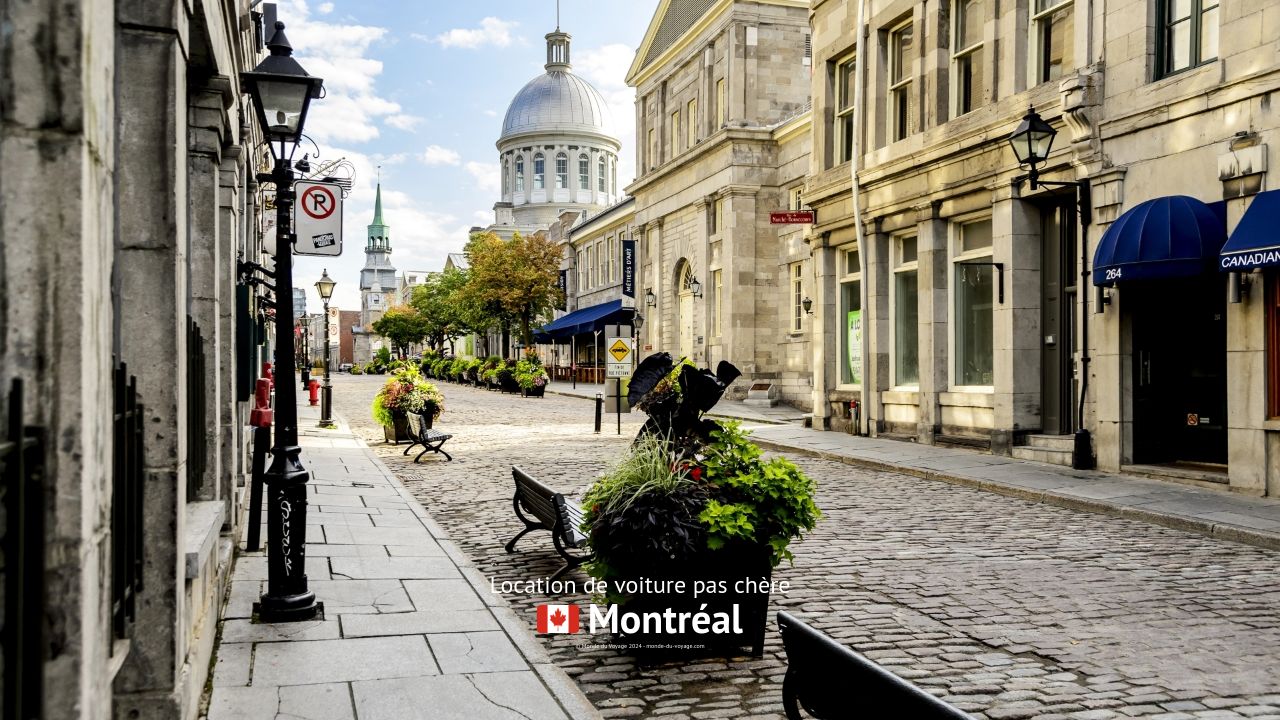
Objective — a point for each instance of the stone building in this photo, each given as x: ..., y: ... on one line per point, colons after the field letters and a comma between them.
x: 951, y: 294
x: 127, y: 149
x: 722, y: 97
x: 557, y: 150
x: 378, y: 284
x: 348, y: 321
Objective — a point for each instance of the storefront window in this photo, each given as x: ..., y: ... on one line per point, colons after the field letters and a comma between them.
x: 850, y: 320
x: 974, y: 303
x: 1273, y: 343
x: 906, y: 314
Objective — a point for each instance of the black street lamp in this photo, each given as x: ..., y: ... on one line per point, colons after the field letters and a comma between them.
x: 324, y: 286
x: 281, y: 92
x: 1031, y: 142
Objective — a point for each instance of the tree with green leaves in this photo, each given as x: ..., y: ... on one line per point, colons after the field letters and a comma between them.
x: 514, y: 281
x: 402, y: 326
x: 444, y: 306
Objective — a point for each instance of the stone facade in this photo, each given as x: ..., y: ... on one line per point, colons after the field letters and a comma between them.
x: 941, y: 216
x: 722, y: 101
x: 129, y: 198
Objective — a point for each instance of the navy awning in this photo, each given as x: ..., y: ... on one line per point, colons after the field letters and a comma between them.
x: 583, y: 320
x: 1255, y: 242
x: 1168, y: 237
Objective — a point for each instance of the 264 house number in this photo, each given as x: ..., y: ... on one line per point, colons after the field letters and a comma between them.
x: 1114, y: 273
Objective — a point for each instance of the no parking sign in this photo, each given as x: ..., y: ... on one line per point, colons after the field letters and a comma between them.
x: 317, y: 218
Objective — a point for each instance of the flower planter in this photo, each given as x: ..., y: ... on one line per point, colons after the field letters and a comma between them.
x: 535, y: 391
x: 507, y: 382
x: 399, y: 432
x: 730, y: 565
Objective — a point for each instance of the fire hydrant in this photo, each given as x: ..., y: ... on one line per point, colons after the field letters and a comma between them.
x: 314, y: 387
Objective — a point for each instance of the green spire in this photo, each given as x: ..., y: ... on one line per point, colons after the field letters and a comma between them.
x: 377, y: 207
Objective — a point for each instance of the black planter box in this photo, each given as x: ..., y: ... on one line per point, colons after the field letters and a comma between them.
x: 729, y: 566
x: 399, y: 432
x: 535, y: 391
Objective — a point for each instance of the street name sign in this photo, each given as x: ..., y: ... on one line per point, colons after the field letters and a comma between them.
x: 317, y: 218
x: 800, y: 217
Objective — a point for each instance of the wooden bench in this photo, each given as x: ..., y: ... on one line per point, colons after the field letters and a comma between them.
x: 830, y: 680
x: 541, y: 508
x: 420, y: 433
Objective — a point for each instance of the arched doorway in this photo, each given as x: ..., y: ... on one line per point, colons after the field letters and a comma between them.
x: 684, y: 309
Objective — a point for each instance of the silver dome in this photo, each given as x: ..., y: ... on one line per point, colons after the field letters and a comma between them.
x: 558, y: 102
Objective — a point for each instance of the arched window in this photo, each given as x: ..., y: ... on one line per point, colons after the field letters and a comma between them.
x: 584, y: 167
x: 613, y: 176
x: 562, y: 171
x: 601, y: 173
x: 539, y: 172
x: 520, y: 173
x: 506, y: 177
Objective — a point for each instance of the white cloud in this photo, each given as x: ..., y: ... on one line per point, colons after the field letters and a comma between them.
x: 492, y: 31
x: 491, y: 113
x: 436, y: 155
x: 487, y: 176
x: 606, y: 69
x: 404, y: 122
x: 325, y: 8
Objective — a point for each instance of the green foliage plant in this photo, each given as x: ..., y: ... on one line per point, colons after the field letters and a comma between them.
x: 530, y: 374
x: 406, y: 391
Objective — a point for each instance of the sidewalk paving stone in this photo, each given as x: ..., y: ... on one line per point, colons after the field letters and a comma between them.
x: 485, y: 696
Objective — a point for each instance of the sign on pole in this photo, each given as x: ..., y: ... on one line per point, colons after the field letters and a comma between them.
x: 317, y: 218
x: 618, y: 364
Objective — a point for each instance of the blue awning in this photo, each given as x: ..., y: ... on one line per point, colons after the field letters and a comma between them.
x: 1255, y: 242
x: 1168, y: 237
x: 583, y: 320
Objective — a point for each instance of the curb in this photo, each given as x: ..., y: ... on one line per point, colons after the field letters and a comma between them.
x: 1220, y: 531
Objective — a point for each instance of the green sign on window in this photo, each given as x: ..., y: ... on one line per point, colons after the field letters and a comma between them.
x: 853, y: 346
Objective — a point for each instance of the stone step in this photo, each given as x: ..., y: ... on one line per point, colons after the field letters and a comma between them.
x: 1043, y: 454
x: 1052, y: 442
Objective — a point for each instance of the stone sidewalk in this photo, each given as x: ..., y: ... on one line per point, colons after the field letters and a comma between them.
x: 1255, y: 521
x: 411, y: 629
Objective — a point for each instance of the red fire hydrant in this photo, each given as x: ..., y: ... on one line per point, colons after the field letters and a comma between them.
x: 261, y: 413
x: 314, y: 389
x: 266, y: 373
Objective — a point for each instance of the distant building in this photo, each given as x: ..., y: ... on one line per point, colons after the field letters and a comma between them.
x: 378, y: 284
x: 348, y: 321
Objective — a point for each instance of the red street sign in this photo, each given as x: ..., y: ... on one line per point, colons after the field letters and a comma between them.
x: 801, y: 217
x: 318, y: 202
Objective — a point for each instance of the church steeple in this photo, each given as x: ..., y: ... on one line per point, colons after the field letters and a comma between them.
x: 379, y: 234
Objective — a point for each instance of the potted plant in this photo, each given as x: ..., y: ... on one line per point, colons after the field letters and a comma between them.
x: 694, y: 505
x: 403, y: 393
x: 531, y: 376
x: 507, y: 377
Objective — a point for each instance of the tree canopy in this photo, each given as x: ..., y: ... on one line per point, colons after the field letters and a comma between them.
x: 514, y: 280
x: 402, y: 326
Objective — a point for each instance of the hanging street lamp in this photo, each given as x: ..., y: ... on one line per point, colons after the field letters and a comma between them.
x: 324, y: 286
x: 281, y: 92
x: 1031, y: 142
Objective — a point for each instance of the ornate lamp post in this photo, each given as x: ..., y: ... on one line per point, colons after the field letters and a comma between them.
x: 282, y: 92
x: 1031, y: 142
x: 324, y: 286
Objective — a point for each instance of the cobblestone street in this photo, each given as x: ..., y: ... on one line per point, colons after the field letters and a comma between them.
x: 1005, y: 608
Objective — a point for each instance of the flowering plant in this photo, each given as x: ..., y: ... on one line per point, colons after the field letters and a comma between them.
x: 530, y: 374
x: 406, y: 392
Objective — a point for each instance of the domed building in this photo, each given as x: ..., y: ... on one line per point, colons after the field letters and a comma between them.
x: 558, y: 150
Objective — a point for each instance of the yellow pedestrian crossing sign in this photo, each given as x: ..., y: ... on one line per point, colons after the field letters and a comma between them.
x: 620, y: 349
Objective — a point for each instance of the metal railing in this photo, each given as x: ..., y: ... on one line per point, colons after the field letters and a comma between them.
x: 197, y: 442
x: 126, y: 503
x: 22, y: 467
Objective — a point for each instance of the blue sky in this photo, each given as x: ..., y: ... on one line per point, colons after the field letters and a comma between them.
x: 420, y: 88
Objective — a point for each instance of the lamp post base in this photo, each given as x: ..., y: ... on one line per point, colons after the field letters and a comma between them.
x: 1082, y: 453
x: 294, y: 608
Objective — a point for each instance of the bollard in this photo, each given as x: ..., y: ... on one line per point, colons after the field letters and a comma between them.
x: 306, y: 377
x: 855, y: 417
x: 599, y: 410
x: 261, y: 444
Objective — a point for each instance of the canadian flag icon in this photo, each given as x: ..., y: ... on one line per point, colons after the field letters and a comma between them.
x: 557, y: 618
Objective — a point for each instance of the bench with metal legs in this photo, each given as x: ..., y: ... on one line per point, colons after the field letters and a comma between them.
x: 550, y: 511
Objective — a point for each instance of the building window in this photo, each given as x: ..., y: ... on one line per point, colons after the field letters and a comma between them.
x: 539, y: 172
x: 506, y: 178
x: 721, y: 99
x: 974, y: 305
x: 1054, y: 38
x: 966, y: 59
x: 613, y: 176
x: 1188, y: 34
x: 797, y: 296
x: 850, y: 319
x: 600, y: 173
x: 715, y: 216
x: 845, y: 81
x: 520, y: 174
x: 691, y: 118
x: 675, y: 133
x: 793, y: 198
x: 584, y: 172
x: 717, y: 303
x: 653, y: 149
x: 906, y: 314
x: 901, y: 107
x: 562, y: 171
x: 589, y: 279
x: 602, y: 264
